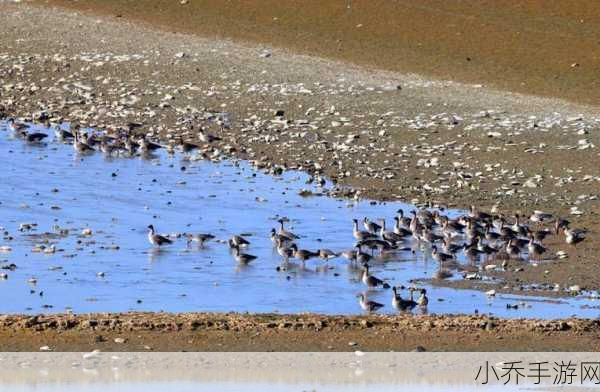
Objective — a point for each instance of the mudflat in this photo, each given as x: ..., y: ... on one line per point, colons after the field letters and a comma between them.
x: 529, y: 46
x: 306, y: 332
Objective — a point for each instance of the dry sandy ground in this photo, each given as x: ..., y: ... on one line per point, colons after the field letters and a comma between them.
x: 528, y: 46
x: 235, y: 332
x: 429, y: 141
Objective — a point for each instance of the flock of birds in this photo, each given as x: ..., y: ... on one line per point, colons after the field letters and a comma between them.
x: 119, y: 142
x: 476, y: 234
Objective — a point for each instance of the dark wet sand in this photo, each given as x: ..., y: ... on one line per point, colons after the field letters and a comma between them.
x: 528, y: 46
x: 237, y: 332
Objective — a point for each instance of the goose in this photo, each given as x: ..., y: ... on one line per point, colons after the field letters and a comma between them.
x: 471, y: 251
x: 147, y: 146
x: 79, y: 146
x: 157, y: 239
x: 108, y: 149
x: 426, y: 218
x: 15, y: 126
x: 200, y: 238
x: 62, y: 135
x: 358, y: 234
x: 449, y: 247
x: 402, y: 220
x: 302, y: 254
x: 284, y: 232
x: 238, y: 241
x: 535, y: 250
x: 283, y: 250
x: 506, y: 233
x: 279, y: 237
x: 362, y: 257
x: 399, y: 303
x: 520, y: 242
x: 207, y: 137
x: 518, y: 228
x: 415, y: 226
x: 448, y: 231
x: 484, y: 248
x: 131, y: 146
x: 369, y: 306
x: 512, y: 250
x: 429, y: 236
x: 91, y: 139
x: 376, y: 243
x: 372, y: 281
x: 399, y: 230
x: 187, y: 147
x: 539, y: 235
x: 371, y: 227
x: 540, y: 216
x: 473, y: 230
x: 390, y: 236
x: 452, y: 225
x: 242, y: 258
x: 491, y: 235
x: 327, y: 254
x: 560, y: 224
x: 498, y: 222
x: 479, y: 215
x: 440, y: 257
x: 423, y: 301
x: 350, y: 255
x: 34, y: 137
x: 573, y: 236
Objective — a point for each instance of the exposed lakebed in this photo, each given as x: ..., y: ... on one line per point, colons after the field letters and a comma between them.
x: 116, y: 269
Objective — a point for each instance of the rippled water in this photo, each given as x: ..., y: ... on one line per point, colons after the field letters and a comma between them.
x: 118, y: 198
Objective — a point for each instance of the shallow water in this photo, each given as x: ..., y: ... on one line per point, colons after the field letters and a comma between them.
x: 117, y: 198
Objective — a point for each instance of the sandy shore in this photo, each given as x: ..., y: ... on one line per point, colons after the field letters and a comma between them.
x: 237, y: 332
x: 387, y: 135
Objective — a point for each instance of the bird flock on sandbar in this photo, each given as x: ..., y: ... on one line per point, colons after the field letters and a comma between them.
x: 476, y: 234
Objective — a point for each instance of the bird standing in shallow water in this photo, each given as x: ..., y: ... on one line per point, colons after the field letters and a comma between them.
x: 15, y: 126
x: 200, y: 238
x: 238, y: 240
x: 399, y: 303
x: 242, y: 258
x: 286, y: 233
x: 157, y: 239
x: 372, y: 281
x: 369, y: 306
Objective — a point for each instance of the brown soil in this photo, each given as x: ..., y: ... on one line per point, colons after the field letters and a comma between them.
x: 528, y: 46
x: 235, y: 332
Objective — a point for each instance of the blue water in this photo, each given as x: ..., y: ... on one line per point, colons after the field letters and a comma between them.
x: 222, y: 198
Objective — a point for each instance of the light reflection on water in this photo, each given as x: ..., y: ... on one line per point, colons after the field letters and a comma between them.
x: 220, y: 198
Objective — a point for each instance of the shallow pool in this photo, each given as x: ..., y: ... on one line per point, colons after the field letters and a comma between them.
x: 117, y: 198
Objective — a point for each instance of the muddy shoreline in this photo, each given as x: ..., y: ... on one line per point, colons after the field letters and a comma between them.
x: 306, y: 332
x: 388, y: 136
